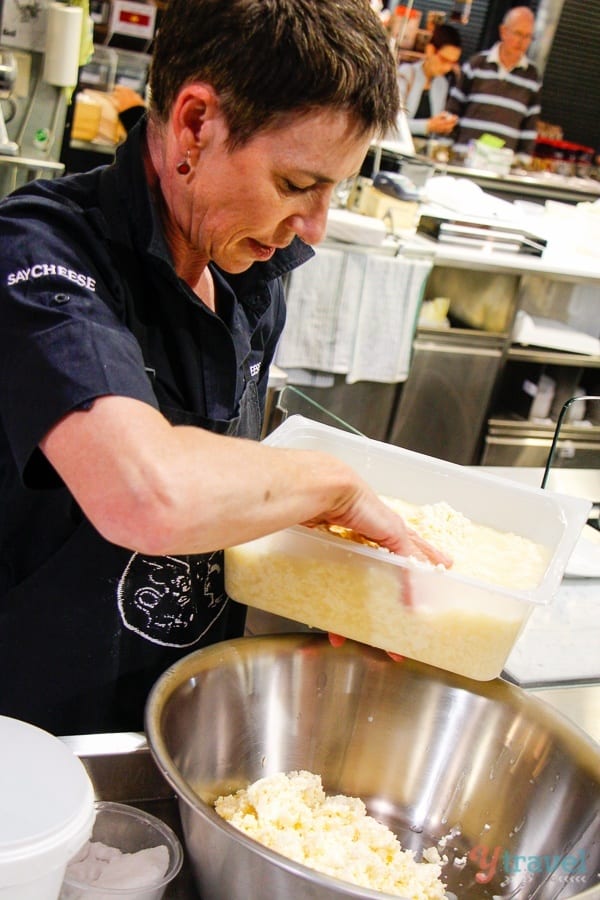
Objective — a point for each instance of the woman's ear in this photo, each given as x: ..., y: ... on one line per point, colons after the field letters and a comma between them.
x: 195, y: 109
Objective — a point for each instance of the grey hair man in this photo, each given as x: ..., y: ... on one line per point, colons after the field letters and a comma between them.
x: 498, y: 91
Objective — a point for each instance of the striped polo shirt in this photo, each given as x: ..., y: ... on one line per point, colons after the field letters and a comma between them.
x: 489, y: 98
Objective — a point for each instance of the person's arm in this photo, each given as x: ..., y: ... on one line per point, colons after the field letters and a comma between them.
x: 526, y: 144
x: 440, y: 122
x: 411, y: 96
x: 407, y: 74
x: 164, y: 490
x: 458, y: 96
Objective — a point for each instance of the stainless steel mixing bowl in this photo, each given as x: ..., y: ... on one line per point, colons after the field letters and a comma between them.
x: 510, y: 786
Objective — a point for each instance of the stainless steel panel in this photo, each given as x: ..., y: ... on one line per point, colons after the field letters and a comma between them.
x: 445, y: 399
x: 533, y: 451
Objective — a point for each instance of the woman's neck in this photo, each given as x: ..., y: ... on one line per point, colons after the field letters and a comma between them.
x: 189, y: 264
x: 428, y: 72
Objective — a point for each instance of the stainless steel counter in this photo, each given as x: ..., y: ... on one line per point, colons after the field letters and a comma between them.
x: 579, y: 703
x: 538, y: 185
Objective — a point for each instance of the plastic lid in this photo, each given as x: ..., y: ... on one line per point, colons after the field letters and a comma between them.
x: 46, y: 802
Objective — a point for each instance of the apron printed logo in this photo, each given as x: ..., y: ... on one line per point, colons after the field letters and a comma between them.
x: 172, y: 601
x: 42, y: 270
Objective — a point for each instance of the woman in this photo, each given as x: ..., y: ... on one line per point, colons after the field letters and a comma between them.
x: 424, y: 84
x: 141, y: 305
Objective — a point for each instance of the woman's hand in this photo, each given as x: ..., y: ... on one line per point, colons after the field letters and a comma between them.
x: 381, y: 525
x: 367, y: 516
x: 336, y: 640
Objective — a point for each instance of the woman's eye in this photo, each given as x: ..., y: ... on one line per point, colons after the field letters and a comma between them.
x: 293, y: 188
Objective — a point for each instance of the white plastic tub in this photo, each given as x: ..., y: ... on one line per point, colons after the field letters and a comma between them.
x: 457, y: 623
x: 46, y: 811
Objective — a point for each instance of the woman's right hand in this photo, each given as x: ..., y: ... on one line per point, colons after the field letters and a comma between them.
x: 364, y: 513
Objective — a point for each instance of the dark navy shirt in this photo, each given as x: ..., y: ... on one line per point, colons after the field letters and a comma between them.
x: 91, y: 305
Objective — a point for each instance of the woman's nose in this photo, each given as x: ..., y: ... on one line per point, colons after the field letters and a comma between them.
x: 310, y: 223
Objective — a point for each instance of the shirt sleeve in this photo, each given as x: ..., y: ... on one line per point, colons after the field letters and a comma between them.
x: 459, y: 93
x: 406, y: 81
x: 529, y: 124
x: 62, y: 342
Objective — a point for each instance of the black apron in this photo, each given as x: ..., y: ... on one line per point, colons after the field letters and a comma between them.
x: 83, y: 639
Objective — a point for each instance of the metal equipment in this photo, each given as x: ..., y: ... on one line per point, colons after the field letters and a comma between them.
x: 8, y: 77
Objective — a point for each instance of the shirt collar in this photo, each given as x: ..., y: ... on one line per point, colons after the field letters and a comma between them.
x: 493, y: 55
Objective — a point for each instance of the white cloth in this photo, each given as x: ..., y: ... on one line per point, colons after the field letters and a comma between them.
x: 388, y: 313
x: 352, y: 313
x: 98, y: 866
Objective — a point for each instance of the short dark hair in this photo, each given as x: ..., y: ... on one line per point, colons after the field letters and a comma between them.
x: 445, y: 36
x: 266, y: 58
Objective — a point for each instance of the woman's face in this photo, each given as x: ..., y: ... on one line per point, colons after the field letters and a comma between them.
x: 246, y: 203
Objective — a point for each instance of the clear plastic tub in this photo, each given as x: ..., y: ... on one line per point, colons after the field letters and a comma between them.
x: 454, y: 622
x: 131, y: 831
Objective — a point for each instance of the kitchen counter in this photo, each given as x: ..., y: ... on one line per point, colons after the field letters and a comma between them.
x: 538, y: 185
x: 579, y: 703
x: 560, y: 267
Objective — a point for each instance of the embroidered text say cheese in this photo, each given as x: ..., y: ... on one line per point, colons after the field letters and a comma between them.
x: 41, y: 270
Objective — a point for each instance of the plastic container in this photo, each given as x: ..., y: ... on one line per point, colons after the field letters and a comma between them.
x: 46, y: 811
x: 454, y: 622
x: 405, y: 26
x: 100, y: 72
x: 490, y: 159
x: 129, y: 830
x: 562, y: 157
x: 543, y: 396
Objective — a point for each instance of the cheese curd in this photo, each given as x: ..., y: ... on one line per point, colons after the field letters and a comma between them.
x: 477, y: 551
x: 291, y: 814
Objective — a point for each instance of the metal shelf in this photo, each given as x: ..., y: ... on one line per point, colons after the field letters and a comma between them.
x: 33, y: 163
x: 500, y: 424
x: 555, y: 357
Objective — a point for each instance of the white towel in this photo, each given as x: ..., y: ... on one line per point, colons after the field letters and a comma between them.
x: 352, y: 313
x: 310, y: 336
x: 310, y: 378
x: 390, y: 300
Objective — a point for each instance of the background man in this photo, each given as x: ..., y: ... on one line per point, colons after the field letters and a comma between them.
x: 498, y: 91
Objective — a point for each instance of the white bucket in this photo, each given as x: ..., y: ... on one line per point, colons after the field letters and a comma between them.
x: 46, y: 811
